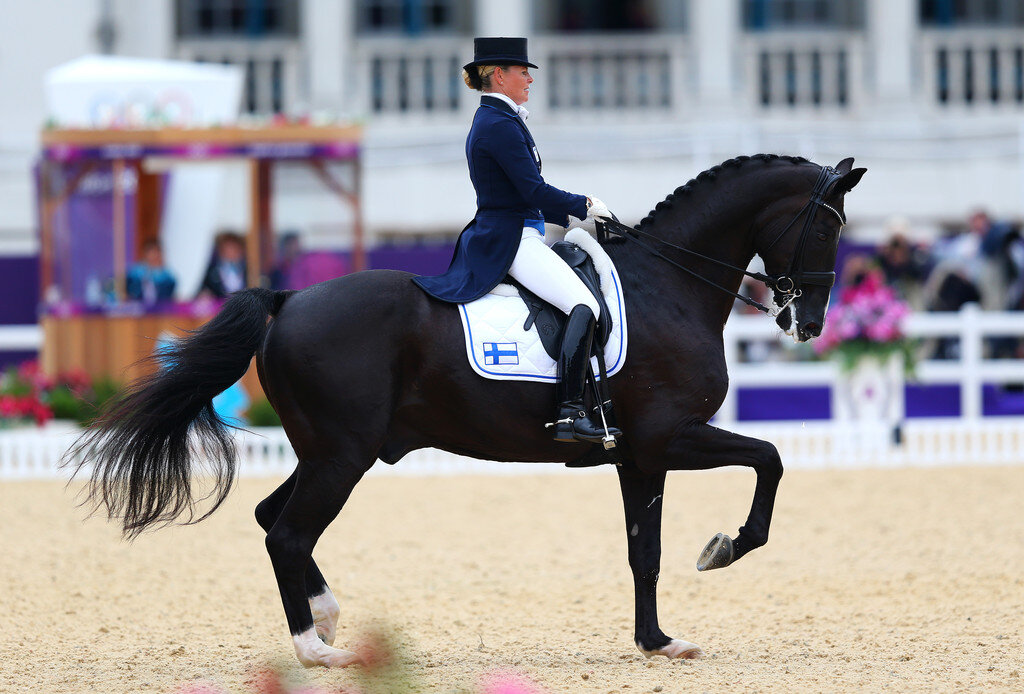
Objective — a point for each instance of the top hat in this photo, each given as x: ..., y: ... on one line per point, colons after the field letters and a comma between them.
x: 499, y: 51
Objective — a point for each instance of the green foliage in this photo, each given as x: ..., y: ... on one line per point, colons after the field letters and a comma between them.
x: 262, y: 414
x: 83, y: 407
x: 852, y: 352
x: 13, y: 383
x: 65, y: 404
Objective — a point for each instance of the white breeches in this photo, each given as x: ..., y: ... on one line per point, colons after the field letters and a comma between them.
x: 537, y: 268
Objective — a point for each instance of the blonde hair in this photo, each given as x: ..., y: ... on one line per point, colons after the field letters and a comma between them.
x: 479, y: 77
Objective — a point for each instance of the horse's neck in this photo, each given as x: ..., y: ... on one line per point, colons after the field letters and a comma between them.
x: 716, y: 222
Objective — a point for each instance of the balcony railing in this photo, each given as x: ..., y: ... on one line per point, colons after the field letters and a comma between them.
x: 981, y: 68
x: 786, y: 71
x: 273, y: 69
x: 419, y: 78
x: 637, y: 76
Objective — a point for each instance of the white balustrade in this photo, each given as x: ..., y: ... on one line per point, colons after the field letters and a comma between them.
x: 818, y: 71
x: 642, y: 76
x: 418, y: 79
x: 979, y: 68
x: 274, y: 70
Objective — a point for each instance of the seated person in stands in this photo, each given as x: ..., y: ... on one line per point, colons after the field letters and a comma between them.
x: 148, y: 280
x: 227, y: 271
x: 288, y: 254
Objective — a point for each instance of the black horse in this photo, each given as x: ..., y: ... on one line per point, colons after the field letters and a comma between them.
x: 367, y: 367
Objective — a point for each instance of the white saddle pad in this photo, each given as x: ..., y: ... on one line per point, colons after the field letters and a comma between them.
x: 497, y: 345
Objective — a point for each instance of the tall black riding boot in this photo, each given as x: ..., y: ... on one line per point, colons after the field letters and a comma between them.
x: 572, y: 422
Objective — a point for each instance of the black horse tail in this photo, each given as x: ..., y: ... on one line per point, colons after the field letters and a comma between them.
x: 143, y: 447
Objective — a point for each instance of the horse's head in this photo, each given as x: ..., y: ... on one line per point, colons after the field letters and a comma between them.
x: 798, y: 240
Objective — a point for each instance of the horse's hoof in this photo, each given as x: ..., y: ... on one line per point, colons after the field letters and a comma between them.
x: 683, y: 650
x: 717, y: 554
x: 313, y: 652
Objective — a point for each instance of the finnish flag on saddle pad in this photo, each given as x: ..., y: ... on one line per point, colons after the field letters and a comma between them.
x: 500, y: 353
x: 500, y: 347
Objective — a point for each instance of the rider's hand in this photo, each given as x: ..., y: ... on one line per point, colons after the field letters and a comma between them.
x: 596, y: 208
x: 596, y: 211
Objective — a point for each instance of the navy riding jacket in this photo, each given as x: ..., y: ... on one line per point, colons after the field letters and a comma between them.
x: 504, y: 166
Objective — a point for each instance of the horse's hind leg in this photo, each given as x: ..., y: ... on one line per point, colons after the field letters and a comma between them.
x: 320, y: 489
x: 322, y: 602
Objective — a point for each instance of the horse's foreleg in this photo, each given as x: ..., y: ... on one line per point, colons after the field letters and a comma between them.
x: 322, y: 602
x: 642, y: 496
x: 320, y: 489
x: 703, y: 447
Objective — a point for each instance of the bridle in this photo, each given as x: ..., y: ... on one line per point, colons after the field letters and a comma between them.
x: 788, y: 285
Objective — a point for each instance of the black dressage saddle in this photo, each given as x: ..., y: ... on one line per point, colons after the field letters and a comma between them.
x: 549, y: 320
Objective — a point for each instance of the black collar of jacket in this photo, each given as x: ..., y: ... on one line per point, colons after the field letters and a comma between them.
x: 497, y: 103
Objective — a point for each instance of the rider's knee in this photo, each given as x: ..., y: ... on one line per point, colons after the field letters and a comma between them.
x: 591, y: 303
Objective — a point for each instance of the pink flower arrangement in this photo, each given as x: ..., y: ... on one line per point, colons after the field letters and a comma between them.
x: 24, y: 407
x: 866, y: 321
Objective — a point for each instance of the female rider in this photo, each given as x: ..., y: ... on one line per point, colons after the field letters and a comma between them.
x: 506, y: 237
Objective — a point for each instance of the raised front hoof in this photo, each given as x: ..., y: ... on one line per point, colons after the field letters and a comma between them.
x: 717, y: 554
x: 675, y: 649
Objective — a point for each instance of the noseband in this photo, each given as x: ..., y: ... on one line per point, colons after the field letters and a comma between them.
x: 789, y: 284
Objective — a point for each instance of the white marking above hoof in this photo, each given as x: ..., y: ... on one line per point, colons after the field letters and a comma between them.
x: 676, y: 649
x: 325, y: 611
x: 311, y: 651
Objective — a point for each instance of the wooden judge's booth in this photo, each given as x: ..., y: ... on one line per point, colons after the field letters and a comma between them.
x: 87, y: 321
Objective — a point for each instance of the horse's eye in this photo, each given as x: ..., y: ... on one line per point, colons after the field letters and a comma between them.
x: 822, y: 236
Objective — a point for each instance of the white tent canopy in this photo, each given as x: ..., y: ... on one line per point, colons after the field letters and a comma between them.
x: 106, y: 91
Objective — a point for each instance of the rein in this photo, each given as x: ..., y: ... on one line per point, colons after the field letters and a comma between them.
x: 788, y: 284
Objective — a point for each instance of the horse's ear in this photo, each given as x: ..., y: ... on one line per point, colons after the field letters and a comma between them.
x: 849, y: 180
x: 845, y: 165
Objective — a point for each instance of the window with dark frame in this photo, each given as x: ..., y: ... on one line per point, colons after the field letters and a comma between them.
x: 237, y: 18
x: 413, y: 17
x: 767, y: 15
x: 951, y: 13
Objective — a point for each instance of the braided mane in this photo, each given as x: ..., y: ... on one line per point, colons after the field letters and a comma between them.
x: 710, y: 175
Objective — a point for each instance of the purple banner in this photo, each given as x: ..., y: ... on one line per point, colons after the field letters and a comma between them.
x: 204, y: 150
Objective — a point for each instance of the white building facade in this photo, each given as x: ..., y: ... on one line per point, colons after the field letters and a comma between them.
x: 632, y: 98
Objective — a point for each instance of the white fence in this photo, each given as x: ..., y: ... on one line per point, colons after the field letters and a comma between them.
x: 970, y: 327
x: 967, y: 439
x: 35, y: 453
x: 20, y: 338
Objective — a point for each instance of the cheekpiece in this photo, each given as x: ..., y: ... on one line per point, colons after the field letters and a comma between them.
x: 499, y: 50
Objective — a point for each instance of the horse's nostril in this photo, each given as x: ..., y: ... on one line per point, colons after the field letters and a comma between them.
x: 812, y: 329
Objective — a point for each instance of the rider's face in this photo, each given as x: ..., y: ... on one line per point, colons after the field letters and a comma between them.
x: 514, y: 82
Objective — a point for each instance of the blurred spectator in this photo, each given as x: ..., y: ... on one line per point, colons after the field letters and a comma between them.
x: 148, y: 280
x: 855, y: 269
x: 227, y: 270
x: 289, y: 252
x: 904, y: 265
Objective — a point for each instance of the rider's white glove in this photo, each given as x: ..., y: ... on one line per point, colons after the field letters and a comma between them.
x: 596, y: 210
